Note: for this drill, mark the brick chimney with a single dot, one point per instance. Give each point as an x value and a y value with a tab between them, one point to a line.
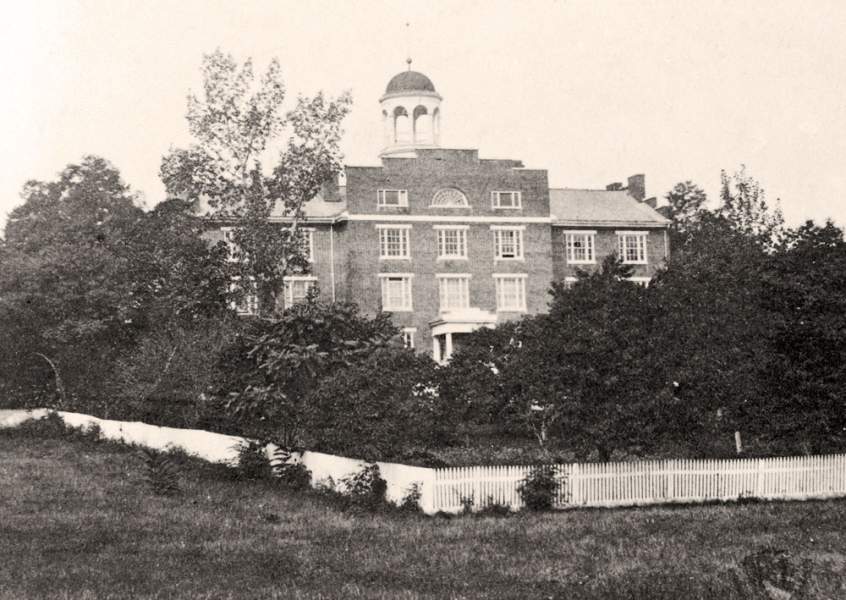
614	187
637	187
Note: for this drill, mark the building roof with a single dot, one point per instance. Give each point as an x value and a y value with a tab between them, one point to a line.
409	81
571	207
319	208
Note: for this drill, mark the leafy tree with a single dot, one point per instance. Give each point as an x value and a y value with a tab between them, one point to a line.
805	294
67	295
276	366
235	127
377	408
712	331
86	273
685	205
744	205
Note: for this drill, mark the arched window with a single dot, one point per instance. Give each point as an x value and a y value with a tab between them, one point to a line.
450	198
402	126
422	126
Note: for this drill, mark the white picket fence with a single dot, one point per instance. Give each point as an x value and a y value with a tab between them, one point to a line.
650	482
579	484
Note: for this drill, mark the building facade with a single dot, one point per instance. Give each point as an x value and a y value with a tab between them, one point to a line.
448	242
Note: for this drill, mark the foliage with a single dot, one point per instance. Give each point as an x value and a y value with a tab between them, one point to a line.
274	367
494	508
804	293
539	488
161	473
84	273
411	500
366	488
378	407
253	462
744	205
235	124
685	205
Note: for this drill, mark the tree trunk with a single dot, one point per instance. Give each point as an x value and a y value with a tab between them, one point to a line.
60	386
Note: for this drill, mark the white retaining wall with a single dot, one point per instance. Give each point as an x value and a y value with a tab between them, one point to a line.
217	447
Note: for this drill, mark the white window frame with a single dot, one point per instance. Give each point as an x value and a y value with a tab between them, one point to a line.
408	301
589	239
402	198
250	305
408	337
644	281
498	231
289	289
405	241
441	232
515	195
465	202
499	279
463	294
641	246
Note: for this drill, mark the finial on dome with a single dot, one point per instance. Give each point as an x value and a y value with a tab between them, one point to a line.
408	60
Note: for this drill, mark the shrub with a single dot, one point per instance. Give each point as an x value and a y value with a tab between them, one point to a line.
538	488
253	463
366	488
493	508
290	473
161	474
411	501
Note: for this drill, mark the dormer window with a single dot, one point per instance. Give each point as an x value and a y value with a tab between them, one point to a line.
449	198
385	198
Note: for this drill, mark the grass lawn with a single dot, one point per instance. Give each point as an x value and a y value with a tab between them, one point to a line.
77	520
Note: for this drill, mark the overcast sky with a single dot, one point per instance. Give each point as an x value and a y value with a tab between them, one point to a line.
591	91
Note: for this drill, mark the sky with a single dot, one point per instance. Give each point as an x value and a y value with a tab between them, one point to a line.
591	91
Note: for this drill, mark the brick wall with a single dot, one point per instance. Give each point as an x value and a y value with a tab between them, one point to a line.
606	242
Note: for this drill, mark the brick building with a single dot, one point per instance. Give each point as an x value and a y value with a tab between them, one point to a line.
448	242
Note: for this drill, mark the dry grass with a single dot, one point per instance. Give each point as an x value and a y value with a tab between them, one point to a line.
78	520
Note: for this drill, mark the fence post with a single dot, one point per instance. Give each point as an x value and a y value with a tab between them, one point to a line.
759	479
575	488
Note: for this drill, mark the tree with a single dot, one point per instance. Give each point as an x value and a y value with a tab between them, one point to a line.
234	128
744	205
67	299
713	333
86	273
275	367
805	294
377	408
685	205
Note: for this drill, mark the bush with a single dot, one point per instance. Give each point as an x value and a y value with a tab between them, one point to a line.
411	501
492	508
366	488
161	474
253	463
539	487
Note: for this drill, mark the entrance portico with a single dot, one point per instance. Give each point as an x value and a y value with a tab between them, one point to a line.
451	325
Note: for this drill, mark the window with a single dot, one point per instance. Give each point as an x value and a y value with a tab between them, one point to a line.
507	199
633	247
231	246
510	292
393	241
580	247
392	198
408	336
452	241
641	281
396	291
307	240
454	291
247	304
449	198
297	288
508	243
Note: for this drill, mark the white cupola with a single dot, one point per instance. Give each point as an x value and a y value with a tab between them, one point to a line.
411	115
